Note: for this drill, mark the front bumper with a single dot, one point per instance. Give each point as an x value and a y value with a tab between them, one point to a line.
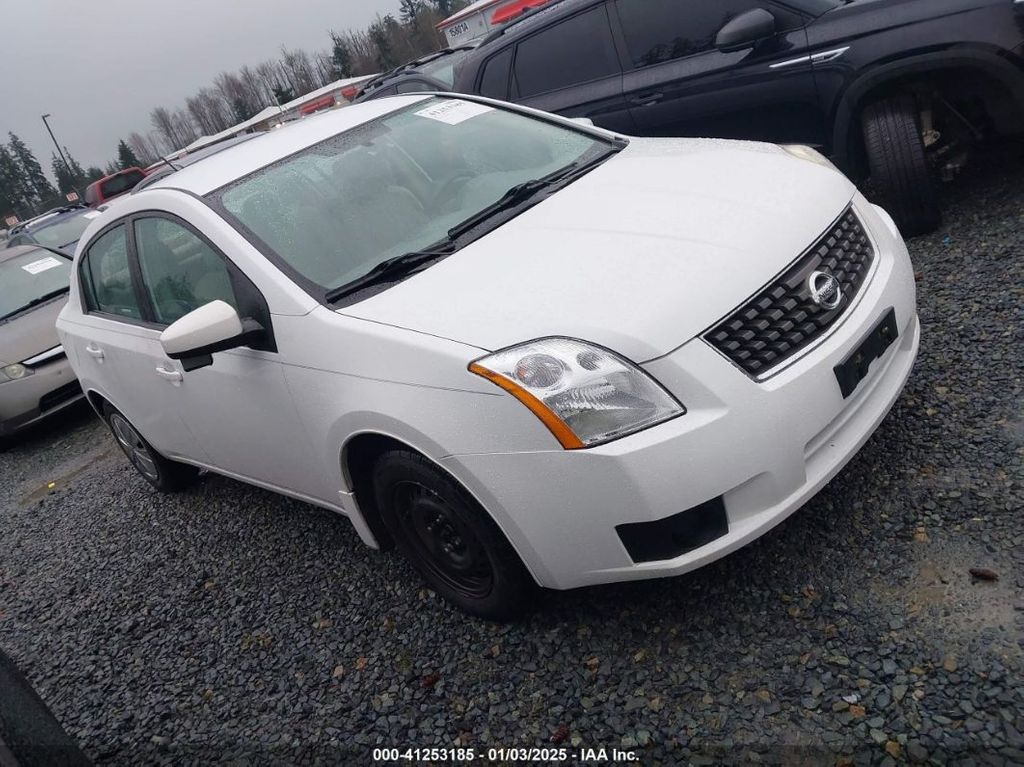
764	447
51	388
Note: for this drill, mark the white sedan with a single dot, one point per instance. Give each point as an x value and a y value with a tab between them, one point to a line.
526	351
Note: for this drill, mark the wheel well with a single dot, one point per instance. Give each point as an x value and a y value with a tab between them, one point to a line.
965	98
357	459
97	401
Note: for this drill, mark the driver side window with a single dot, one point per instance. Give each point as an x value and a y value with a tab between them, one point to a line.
180	271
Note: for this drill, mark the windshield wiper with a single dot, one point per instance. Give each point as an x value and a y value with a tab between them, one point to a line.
36	301
391	270
512	198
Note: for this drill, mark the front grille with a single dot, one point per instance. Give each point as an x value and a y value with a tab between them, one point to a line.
783	318
59	396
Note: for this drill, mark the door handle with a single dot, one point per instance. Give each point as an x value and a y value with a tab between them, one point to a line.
94	351
169	375
646	99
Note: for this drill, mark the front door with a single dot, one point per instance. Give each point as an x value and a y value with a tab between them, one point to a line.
678	83
573	68
239	410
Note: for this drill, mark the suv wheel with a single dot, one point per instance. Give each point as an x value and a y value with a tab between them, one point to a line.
165	475
450	539
899	168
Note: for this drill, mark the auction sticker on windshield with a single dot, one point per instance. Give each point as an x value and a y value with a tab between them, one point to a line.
42	265
454	111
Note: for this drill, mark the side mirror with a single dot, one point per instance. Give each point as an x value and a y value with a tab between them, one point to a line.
745	30
213	327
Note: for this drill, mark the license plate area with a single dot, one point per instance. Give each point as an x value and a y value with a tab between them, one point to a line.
854	369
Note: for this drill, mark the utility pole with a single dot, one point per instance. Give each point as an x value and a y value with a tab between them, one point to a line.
71	173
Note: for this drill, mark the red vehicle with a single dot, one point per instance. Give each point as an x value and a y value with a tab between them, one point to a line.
114	185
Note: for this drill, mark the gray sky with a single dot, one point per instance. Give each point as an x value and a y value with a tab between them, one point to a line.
100	67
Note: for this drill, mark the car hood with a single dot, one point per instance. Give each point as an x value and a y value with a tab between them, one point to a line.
640	255
31	333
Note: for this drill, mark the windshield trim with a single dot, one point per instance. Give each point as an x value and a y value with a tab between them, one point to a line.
213	198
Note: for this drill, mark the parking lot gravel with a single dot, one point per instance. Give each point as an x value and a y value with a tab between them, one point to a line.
230	624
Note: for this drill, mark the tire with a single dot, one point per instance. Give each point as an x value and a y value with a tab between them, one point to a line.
899	168
450	539
165	475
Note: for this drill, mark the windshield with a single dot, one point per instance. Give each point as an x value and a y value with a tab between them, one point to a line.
65	231
29	277
443	68
335	210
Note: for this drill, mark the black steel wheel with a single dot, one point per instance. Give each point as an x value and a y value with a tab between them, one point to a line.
450	539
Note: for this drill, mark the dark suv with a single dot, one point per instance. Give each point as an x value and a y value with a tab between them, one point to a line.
894	89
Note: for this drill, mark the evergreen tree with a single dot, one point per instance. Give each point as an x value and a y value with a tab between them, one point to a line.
11	188
283	94
408	10
35	181
125	156
382	43
65	181
341	57
14	190
241	110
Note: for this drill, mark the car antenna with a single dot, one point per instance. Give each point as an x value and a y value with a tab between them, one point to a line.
170	164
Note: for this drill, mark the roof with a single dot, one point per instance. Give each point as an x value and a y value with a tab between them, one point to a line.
237	161
48	216
337	85
469	10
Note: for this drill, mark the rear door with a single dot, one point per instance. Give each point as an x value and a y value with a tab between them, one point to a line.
678	83
570	67
118	349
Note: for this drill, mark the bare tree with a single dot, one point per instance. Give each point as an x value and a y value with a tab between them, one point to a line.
210	111
297	70
145	147
185	127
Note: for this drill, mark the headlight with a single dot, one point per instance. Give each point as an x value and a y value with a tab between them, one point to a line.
802	152
14	372
584	394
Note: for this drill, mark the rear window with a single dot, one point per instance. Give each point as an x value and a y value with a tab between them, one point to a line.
64	232
574	51
121	183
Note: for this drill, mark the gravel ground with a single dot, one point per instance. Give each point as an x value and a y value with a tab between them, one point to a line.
229	623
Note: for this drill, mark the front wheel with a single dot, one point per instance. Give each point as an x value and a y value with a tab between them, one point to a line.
450	539
165	475
899	168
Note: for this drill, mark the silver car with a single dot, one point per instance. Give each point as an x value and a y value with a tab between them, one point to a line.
35	378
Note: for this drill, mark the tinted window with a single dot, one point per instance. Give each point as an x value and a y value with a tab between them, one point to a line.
662	30
180	271
109	279
574	51
121	183
494	82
